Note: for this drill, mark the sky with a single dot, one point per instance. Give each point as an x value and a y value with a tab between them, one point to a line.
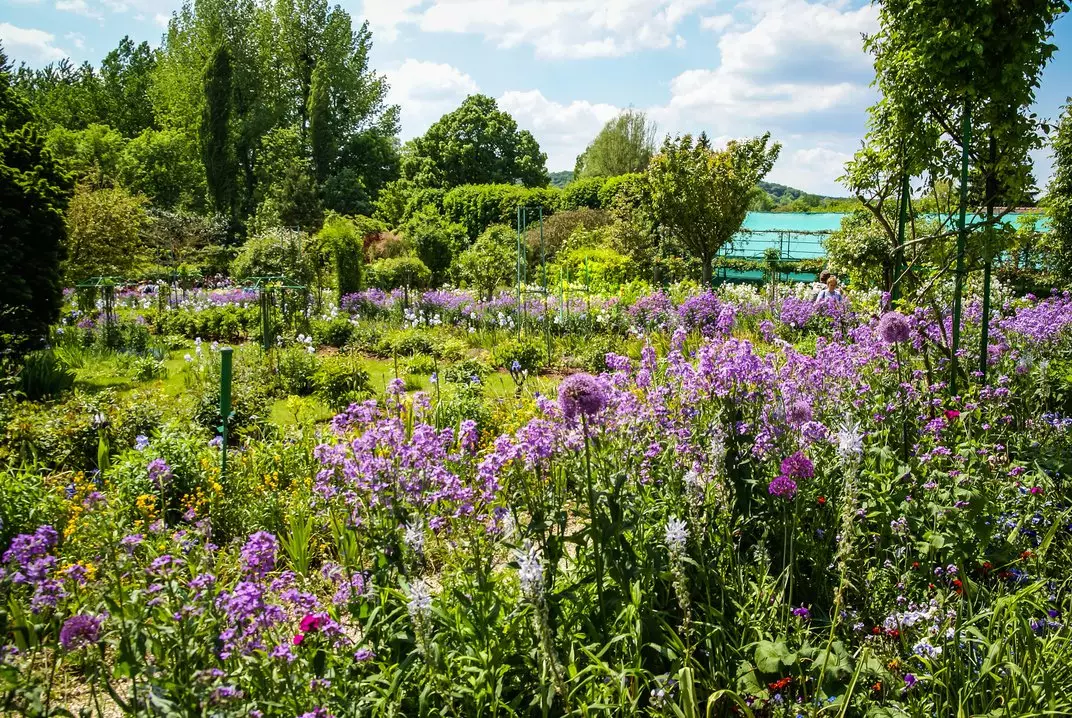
562	68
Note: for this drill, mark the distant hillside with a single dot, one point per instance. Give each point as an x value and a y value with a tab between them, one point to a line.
780	198
561	179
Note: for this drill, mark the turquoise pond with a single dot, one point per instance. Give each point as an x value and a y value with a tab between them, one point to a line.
798	235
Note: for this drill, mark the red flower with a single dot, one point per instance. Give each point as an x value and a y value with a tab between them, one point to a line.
893	633
298	638
915	565
987	565
876	631
821	500
877	686
1026	555
780	684
952	414
312	622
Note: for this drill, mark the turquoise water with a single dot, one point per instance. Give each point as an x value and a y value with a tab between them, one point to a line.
790	233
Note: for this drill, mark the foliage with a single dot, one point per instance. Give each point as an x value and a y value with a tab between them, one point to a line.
701	196
344	241
558	228
582	194
436	240
406	272
164	166
1059	205
529	353
34	191
273	253
106	233
491	261
44	375
475	144
340	381
625	144
860	250
477	207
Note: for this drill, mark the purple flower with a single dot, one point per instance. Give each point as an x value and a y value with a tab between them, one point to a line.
80	630
363	654
798	466
783	487
581	395
893	328
802	613
159	473
910	680
258	555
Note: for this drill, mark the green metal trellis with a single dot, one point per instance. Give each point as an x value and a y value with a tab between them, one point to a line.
93	289
280	301
523	287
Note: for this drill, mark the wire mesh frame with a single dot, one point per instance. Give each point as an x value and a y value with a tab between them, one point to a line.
278	303
101	289
523	288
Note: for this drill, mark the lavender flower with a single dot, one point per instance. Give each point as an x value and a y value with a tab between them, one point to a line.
159	473
581	395
80	630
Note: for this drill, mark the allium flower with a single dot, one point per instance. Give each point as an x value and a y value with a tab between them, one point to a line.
799	412
893	328
258	555
677	534
783	487
80	630
581	395
798	466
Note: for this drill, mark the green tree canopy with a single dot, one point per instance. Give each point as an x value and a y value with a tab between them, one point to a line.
1060	195
700	196
106	232
34	191
625	144
475	144
491	261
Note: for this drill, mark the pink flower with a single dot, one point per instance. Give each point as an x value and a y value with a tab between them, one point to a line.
298	638
952	414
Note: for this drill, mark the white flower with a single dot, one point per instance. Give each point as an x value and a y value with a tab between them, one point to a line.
677	534
850	442
530	571
188	358
414	537
420	599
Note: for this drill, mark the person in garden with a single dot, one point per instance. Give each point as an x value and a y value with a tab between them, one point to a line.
819	287
832	292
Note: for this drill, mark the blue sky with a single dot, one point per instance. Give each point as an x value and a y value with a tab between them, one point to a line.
564	67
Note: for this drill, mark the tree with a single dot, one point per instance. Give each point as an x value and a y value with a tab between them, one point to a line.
625	144
94	154
475	144
436	240
324	146
491	261
700	196
126	75
342	239
34	191
105	230
275	252
164	165
217	153
1060	195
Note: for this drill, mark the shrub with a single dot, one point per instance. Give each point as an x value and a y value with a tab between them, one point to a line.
420	364
459	403
435	240
340	237
340	381
43	375
334	332
463	371
408	272
274	252
296	370
366	338
249	391
491	261
583	193
528	353
148	368
405	342
477	207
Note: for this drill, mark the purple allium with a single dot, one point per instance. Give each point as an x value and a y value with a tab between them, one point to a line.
893	328
783	487
258	555
798	466
799	412
80	630
581	395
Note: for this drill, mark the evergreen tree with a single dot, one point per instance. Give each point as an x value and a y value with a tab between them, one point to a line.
216	148
321	138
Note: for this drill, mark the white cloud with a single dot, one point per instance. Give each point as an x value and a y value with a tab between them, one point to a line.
563	131
161	20
554	28
77	39
814	169
31	45
716	23
425	91
78	7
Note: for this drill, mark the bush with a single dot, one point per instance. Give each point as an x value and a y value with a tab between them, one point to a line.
148	368
409	272
435	240
463	371
477	207
366	338
225	323
342	240
420	364
340	381
249	391
528	353
405	342
583	193
274	252
491	261
43	375
335	332
460	403
296	370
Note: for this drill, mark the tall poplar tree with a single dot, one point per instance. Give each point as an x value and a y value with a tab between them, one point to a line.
216	148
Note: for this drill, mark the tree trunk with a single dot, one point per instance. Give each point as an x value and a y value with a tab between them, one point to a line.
707	261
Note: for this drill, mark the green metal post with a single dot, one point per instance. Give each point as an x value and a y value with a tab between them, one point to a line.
520	214
962	236
902	222
546	289
991	190
225	405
